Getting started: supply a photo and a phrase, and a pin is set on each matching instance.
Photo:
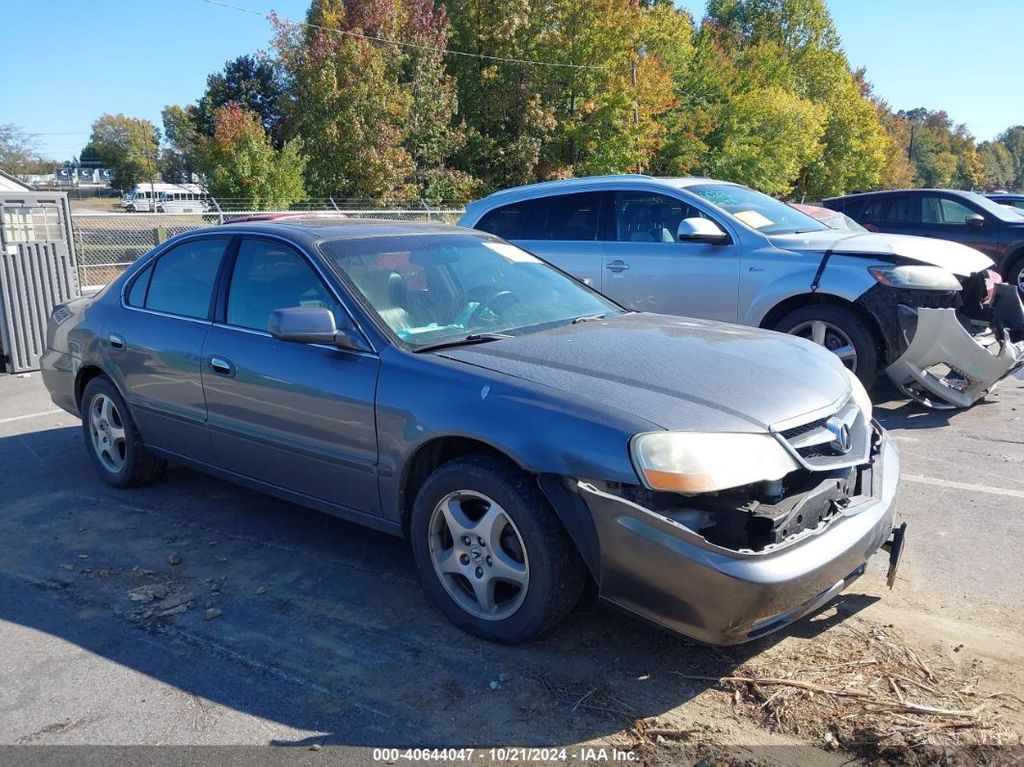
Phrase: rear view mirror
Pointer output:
(701, 230)
(311, 325)
(975, 220)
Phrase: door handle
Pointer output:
(221, 366)
(116, 341)
(617, 266)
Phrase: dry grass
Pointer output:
(866, 690)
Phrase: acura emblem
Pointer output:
(842, 441)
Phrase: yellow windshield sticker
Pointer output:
(753, 218)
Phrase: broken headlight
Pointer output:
(699, 462)
(915, 277)
(860, 395)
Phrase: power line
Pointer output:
(432, 48)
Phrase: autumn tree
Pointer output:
(180, 156)
(997, 163)
(372, 101)
(19, 153)
(1013, 140)
(128, 146)
(241, 163)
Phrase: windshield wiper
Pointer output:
(588, 318)
(472, 338)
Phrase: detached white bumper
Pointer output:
(945, 367)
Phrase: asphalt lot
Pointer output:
(320, 634)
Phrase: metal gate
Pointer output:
(37, 272)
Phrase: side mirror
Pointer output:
(975, 221)
(311, 325)
(701, 230)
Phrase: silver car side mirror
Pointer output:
(701, 230)
(311, 325)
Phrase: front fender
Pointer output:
(420, 399)
(844, 277)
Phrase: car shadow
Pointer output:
(305, 620)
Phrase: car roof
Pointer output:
(559, 186)
(888, 192)
(321, 228)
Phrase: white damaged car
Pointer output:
(932, 314)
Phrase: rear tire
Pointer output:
(1015, 273)
(509, 580)
(838, 330)
(113, 440)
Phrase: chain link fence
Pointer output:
(106, 243)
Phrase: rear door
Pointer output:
(155, 344)
(296, 416)
(563, 229)
(647, 269)
(889, 213)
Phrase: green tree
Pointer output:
(128, 146)
(1013, 140)
(997, 163)
(241, 163)
(765, 137)
(180, 157)
(254, 82)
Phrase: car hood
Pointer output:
(674, 372)
(959, 259)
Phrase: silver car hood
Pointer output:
(674, 372)
(959, 259)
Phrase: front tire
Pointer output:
(491, 551)
(112, 438)
(841, 332)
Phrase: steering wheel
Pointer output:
(489, 305)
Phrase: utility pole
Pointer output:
(640, 53)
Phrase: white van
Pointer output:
(169, 198)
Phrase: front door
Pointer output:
(945, 217)
(646, 269)
(297, 416)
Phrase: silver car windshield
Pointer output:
(757, 210)
(433, 289)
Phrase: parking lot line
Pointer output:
(963, 486)
(30, 415)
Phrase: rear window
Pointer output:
(183, 278)
(507, 222)
(887, 209)
(565, 217)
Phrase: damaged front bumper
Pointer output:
(657, 568)
(945, 367)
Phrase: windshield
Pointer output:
(436, 288)
(991, 206)
(757, 210)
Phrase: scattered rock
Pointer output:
(213, 543)
(174, 559)
(494, 685)
(83, 556)
(831, 743)
(103, 573)
(504, 677)
(222, 560)
(261, 590)
(69, 568)
(213, 612)
(149, 592)
(315, 747)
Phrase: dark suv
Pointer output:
(946, 214)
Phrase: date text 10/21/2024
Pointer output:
(508, 754)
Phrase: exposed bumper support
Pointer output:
(662, 571)
(977, 363)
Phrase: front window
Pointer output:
(757, 210)
(437, 288)
(943, 210)
(649, 217)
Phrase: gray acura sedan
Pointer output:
(524, 432)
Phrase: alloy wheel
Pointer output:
(831, 337)
(106, 428)
(479, 555)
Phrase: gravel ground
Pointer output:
(193, 612)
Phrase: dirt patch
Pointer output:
(864, 688)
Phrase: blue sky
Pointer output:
(68, 61)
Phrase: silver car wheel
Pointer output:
(479, 555)
(831, 337)
(107, 431)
